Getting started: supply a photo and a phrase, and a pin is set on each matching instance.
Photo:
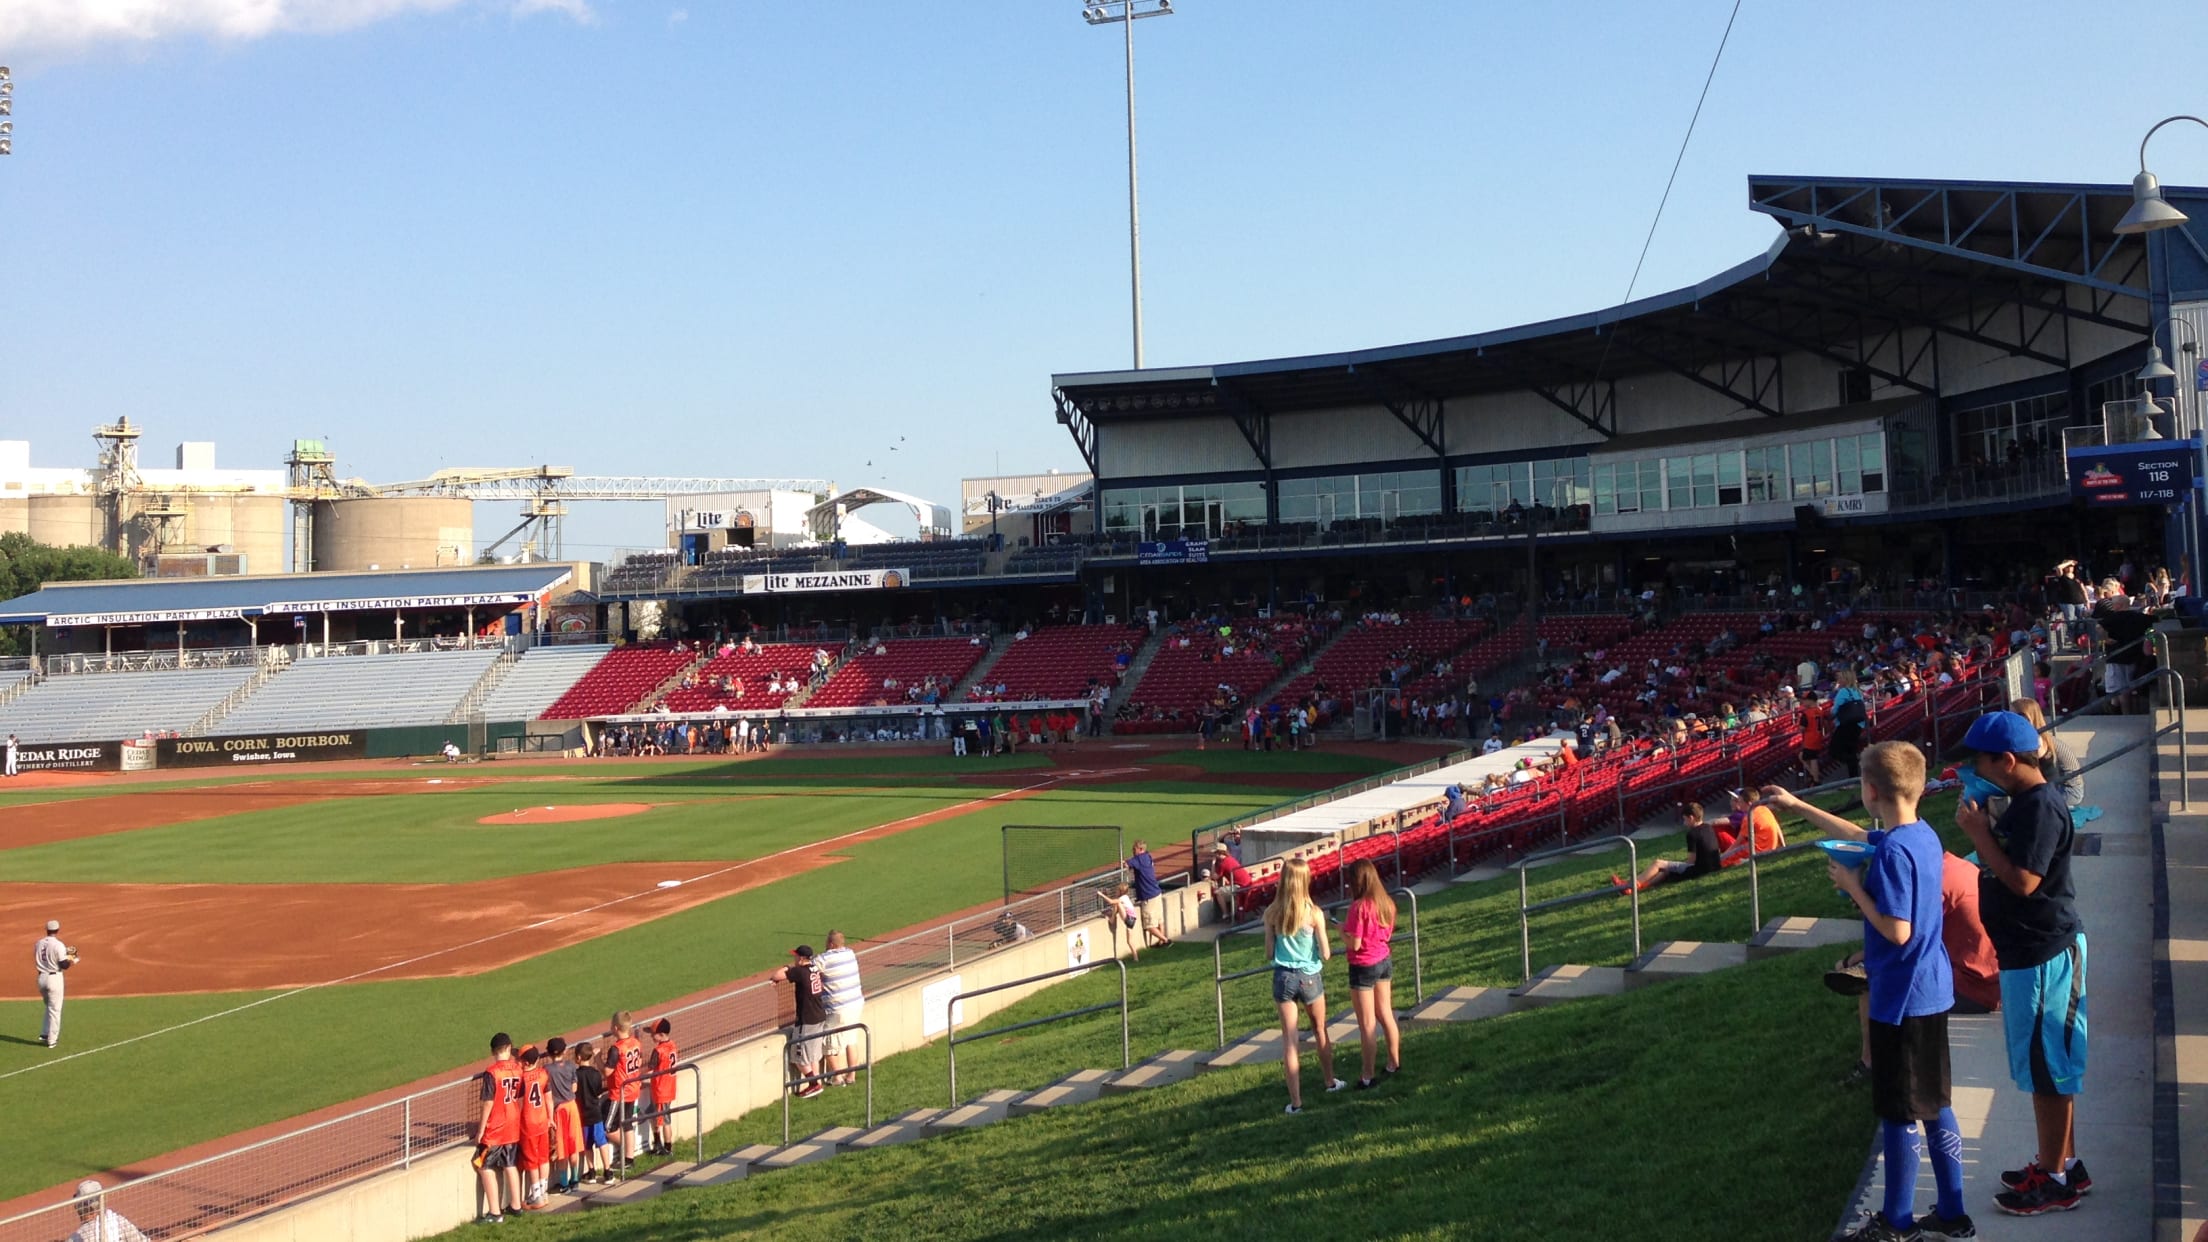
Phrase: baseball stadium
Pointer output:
(1476, 615)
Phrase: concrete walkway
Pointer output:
(2115, 897)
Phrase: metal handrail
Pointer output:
(792, 1084)
(1220, 978)
(950, 1017)
(1525, 911)
(696, 1108)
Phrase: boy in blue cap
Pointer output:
(2029, 905)
(1912, 987)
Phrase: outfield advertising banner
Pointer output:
(259, 748)
(69, 757)
(1174, 552)
(850, 580)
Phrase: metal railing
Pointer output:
(1220, 977)
(950, 1017)
(642, 1120)
(790, 1039)
(1525, 911)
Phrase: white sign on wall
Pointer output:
(1077, 950)
(935, 1006)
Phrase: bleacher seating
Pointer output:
(1058, 662)
(723, 564)
(103, 707)
(943, 558)
(641, 571)
(1359, 658)
(1191, 665)
(539, 678)
(362, 692)
(911, 661)
(618, 682)
(1054, 559)
(756, 669)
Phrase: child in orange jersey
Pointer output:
(626, 1081)
(663, 1087)
(536, 1127)
(498, 1130)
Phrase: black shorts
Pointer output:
(496, 1156)
(1362, 978)
(1909, 1069)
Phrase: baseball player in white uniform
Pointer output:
(99, 1222)
(10, 770)
(52, 957)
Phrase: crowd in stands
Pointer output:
(1206, 670)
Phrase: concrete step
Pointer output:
(987, 1108)
(1790, 935)
(633, 1189)
(733, 1167)
(1263, 1047)
(1162, 1070)
(1079, 1087)
(1463, 1004)
(807, 1150)
(1680, 959)
(890, 1133)
(1558, 984)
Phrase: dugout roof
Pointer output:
(143, 600)
(2000, 264)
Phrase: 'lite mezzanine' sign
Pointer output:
(848, 580)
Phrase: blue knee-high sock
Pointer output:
(1945, 1139)
(1901, 1172)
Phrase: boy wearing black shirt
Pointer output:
(2028, 903)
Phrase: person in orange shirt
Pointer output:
(625, 1082)
(536, 1127)
(1816, 734)
(1754, 825)
(498, 1130)
(663, 1087)
(567, 1116)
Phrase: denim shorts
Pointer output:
(1296, 987)
(1362, 978)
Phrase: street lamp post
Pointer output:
(1125, 13)
(2150, 213)
(7, 109)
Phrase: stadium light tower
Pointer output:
(1125, 13)
(7, 109)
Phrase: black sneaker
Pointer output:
(1877, 1230)
(2038, 1195)
(1848, 980)
(1857, 1075)
(1936, 1226)
(2080, 1180)
(1366, 1084)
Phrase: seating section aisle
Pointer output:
(756, 672)
(108, 707)
(619, 682)
(1058, 662)
(362, 692)
(539, 678)
(1193, 663)
(909, 662)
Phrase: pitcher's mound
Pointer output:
(567, 814)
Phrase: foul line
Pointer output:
(557, 918)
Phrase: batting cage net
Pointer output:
(1041, 857)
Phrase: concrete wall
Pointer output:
(68, 521)
(392, 532)
(438, 1192)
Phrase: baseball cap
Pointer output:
(803, 950)
(2002, 733)
(53, 925)
(89, 1186)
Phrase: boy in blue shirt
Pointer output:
(1912, 986)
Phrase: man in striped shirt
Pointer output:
(846, 1004)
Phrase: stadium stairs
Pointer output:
(230, 703)
(482, 688)
(1556, 985)
(1136, 669)
(998, 645)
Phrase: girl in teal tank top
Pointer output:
(1295, 935)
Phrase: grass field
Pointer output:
(328, 1045)
(1649, 1114)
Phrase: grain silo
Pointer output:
(393, 532)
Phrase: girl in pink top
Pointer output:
(1366, 929)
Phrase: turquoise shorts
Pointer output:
(2043, 1014)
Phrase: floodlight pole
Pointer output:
(1125, 16)
(2150, 213)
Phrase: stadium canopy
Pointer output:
(934, 519)
(149, 600)
(1897, 263)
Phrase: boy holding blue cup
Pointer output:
(1897, 887)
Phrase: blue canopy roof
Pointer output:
(144, 600)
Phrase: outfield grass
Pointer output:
(330, 1045)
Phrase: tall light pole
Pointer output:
(7, 109)
(2150, 213)
(1126, 13)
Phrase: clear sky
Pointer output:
(746, 238)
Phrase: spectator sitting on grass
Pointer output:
(1755, 830)
(1701, 860)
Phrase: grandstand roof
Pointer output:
(1857, 258)
(142, 600)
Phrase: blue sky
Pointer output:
(744, 238)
